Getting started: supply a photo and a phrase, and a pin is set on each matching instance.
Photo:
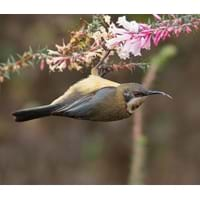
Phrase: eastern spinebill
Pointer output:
(95, 99)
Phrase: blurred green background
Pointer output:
(68, 151)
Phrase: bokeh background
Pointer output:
(68, 151)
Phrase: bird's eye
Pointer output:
(127, 95)
(138, 94)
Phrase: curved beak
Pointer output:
(153, 92)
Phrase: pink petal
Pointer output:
(42, 64)
(157, 17)
(144, 27)
(165, 34)
(156, 38)
(170, 29)
(147, 42)
(161, 35)
(196, 27)
(177, 33)
(188, 29)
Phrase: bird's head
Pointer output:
(135, 94)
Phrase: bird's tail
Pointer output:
(34, 113)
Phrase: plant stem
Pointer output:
(138, 158)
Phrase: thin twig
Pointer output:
(138, 159)
(103, 59)
(139, 146)
(99, 69)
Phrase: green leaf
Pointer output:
(149, 21)
(165, 54)
(31, 63)
(12, 58)
(30, 50)
(6, 74)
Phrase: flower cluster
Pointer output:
(94, 43)
(84, 49)
(58, 59)
(130, 37)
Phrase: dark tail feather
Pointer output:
(34, 113)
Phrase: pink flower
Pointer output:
(42, 64)
(130, 47)
(117, 40)
(146, 42)
(129, 38)
(188, 29)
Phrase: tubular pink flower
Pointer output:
(129, 38)
(188, 29)
(147, 42)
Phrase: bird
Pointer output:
(93, 98)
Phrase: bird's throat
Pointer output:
(134, 103)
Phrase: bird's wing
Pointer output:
(74, 104)
(83, 107)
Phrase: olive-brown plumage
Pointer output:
(93, 98)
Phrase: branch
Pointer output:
(29, 58)
(137, 171)
(100, 68)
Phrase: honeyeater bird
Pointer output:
(93, 98)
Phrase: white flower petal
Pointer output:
(107, 18)
(132, 26)
(62, 66)
(114, 30)
(115, 41)
(123, 54)
(127, 46)
(52, 52)
(122, 20)
(135, 47)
